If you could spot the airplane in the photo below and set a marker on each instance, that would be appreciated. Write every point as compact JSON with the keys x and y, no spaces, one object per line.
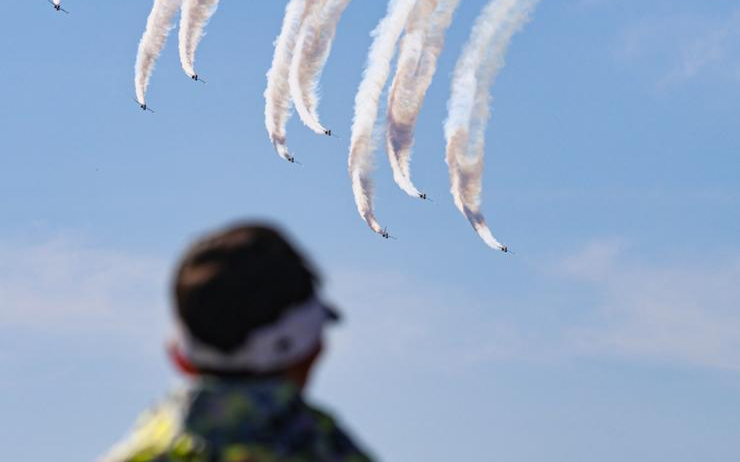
{"x":292,"y":160}
{"x":424,"y":197}
{"x":197,"y":79}
{"x":58,"y":7}
{"x":329,"y":133}
{"x":384,"y":234}
{"x":143,"y":106}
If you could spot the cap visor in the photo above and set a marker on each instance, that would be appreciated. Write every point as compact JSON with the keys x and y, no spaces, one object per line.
{"x":332,"y":314}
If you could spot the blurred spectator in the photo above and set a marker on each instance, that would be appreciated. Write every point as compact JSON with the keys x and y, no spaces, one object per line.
{"x":249,"y":330}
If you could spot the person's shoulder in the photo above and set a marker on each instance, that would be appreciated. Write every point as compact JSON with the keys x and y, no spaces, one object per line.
{"x":337,"y":440}
{"x":156,"y":435}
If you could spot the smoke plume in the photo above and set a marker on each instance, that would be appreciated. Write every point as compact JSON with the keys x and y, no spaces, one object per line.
{"x":195,"y":16}
{"x":312,"y":51}
{"x":417,"y":63}
{"x":158,"y":27}
{"x":469,"y":105}
{"x":367,"y":100}
{"x":277,"y":94}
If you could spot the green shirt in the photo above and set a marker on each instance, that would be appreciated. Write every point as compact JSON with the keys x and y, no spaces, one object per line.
{"x":237,"y":421}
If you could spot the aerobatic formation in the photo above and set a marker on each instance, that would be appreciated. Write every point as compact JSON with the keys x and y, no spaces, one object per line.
{"x":416,"y":29}
{"x":301,"y":52}
{"x":193,"y":19}
{"x":367,"y":103}
{"x":417,"y":63}
{"x":426,"y":22}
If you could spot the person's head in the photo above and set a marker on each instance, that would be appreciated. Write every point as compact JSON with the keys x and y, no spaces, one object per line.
{"x":246,"y":304}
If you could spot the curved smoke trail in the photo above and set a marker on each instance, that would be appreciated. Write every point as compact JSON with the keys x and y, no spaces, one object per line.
{"x":195,"y":17}
{"x":469,"y":105}
{"x":417,"y":63}
{"x":277,"y":94}
{"x":367,"y":104}
{"x":312,"y":50}
{"x":158,"y":27}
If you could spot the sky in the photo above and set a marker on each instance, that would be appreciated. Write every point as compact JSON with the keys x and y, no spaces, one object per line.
{"x":612,"y":172}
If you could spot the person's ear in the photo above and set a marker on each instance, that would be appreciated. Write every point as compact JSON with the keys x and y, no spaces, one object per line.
{"x":179,"y":360}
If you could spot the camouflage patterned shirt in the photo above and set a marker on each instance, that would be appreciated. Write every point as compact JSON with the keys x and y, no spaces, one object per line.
{"x":237,"y":421}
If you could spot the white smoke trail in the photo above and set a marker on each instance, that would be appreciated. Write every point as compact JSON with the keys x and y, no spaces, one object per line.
{"x":277,"y":94}
{"x":195,"y":17}
{"x":367,"y":104}
{"x":158,"y":27}
{"x":417,"y":63}
{"x":56,"y":2}
{"x":469,"y":105}
{"x":312,"y":50}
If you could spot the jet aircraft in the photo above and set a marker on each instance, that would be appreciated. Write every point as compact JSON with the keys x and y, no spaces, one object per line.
{"x":143,"y":106}
{"x":384,"y":234}
{"x":58,"y":7}
{"x":329,"y":133}
{"x":196,"y":78}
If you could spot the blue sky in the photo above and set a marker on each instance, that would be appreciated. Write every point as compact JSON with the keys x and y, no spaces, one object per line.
{"x":612,"y":170}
